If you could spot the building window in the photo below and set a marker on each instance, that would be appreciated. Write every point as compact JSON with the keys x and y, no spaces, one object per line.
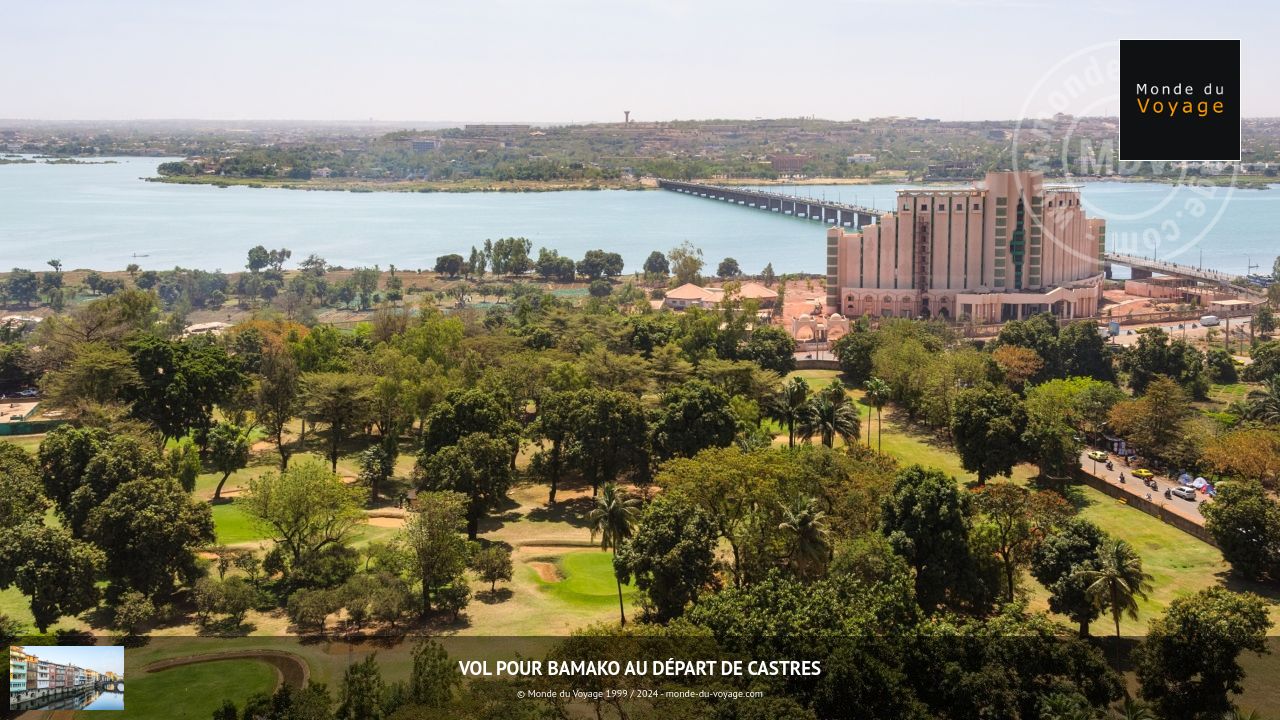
{"x":924,"y":207}
{"x":906,"y":206}
{"x":977,"y":206}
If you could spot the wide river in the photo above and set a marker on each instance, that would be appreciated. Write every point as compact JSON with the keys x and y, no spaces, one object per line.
{"x":103,"y":216}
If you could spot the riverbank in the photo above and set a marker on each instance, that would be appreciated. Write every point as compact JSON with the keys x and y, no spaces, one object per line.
{"x":403,"y":186}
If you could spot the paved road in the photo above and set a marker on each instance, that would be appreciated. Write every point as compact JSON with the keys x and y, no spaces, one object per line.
{"x":1133,"y":486}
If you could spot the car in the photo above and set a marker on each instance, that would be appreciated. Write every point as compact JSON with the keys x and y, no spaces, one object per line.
{"x":1185,"y":492}
{"x":1098,"y":455}
{"x":1143,"y":473}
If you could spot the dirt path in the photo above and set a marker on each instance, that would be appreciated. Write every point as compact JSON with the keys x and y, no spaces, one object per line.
{"x":289,"y":667}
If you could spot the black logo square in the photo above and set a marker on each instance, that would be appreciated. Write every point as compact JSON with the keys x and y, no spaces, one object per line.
{"x":1179,"y":100}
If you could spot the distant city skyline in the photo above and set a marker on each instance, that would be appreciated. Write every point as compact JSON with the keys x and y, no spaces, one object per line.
{"x":564,"y":61}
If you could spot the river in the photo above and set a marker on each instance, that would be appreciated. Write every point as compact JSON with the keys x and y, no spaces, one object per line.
{"x":103,"y":216}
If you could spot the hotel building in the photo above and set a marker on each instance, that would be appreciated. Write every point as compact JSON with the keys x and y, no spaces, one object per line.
{"x":1002,"y":249}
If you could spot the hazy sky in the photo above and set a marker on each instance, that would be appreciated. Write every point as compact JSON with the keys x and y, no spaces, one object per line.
{"x":580,"y":60}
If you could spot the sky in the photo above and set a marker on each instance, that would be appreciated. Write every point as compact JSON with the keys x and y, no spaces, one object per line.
{"x":559,"y":61}
{"x":104,"y":658}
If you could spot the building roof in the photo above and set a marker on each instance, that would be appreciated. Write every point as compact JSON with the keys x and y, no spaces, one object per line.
{"x":689,"y":291}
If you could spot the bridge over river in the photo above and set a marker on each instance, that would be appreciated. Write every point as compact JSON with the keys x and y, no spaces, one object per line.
{"x":1144,"y":267}
{"x":828,"y":212}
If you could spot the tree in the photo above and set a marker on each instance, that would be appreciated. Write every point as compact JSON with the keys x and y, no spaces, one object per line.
{"x":656,"y":265}
{"x":1264,"y":320}
{"x":132,"y":612}
{"x":377,"y":465}
{"x":612,"y":519}
{"x":258,"y":259}
{"x":598,"y":264}
{"x":671,"y":556}
{"x":310,"y":608}
{"x":1263,"y":403}
{"x":768,"y":275}
{"x":986,"y":427}
{"x":82,"y":467}
{"x":53,"y":569}
{"x":97,"y":373}
{"x":805,"y":525}
{"x":728,"y":269}
{"x":686,"y":263}
{"x":1118,"y":583}
{"x":927,"y":522}
{"x":360,"y":697}
{"x":1084,"y":352}
{"x":854,"y":350}
{"x":228,"y":446}
{"x":440,"y":554}
{"x":450,"y":265}
{"x":693,"y":416}
{"x":1155,"y":422}
{"x":236,"y":598}
{"x":790,"y":406}
{"x":277,"y":398}
{"x":307,"y":508}
{"x":479,"y":467}
{"x":461,"y":413}
{"x":1245,"y":522}
{"x":1016,"y":520}
{"x":340,"y":401}
{"x":1060,"y":562}
{"x":831,"y":417}
{"x":150,"y":531}
{"x":23,"y":286}
{"x":21,"y":495}
{"x":434,"y":678}
{"x":772,"y":348}
{"x":1189,"y":665}
{"x":182,"y":382}
{"x":877,"y":396}
{"x":600,"y":289}
{"x":493,"y":564}
{"x":1250,"y":453}
{"x":1155,"y":355}
{"x":1017,"y":364}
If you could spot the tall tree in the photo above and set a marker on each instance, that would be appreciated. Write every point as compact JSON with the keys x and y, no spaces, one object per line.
{"x":986,"y":426}
{"x":182,"y":382}
{"x":53,"y":569}
{"x":228,"y":446}
{"x":1060,"y":563}
{"x":340,"y":401}
{"x":830,"y":417}
{"x":1017,"y":519}
{"x":1189,"y":665}
{"x":150,"y":531}
{"x":671,"y":556}
{"x":1245,"y":521}
{"x":1118,"y":582}
{"x":277,"y":400}
{"x":927,"y":522}
{"x":612,"y":519}
{"x":686,"y":263}
{"x":808,"y":537}
{"x":693,"y":416}
{"x":877,"y":396}
{"x":432,"y":534}
{"x":307,"y":508}
{"x":790,"y":406}
{"x":479,"y":467}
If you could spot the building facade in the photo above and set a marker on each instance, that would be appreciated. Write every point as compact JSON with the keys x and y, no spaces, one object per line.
{"x":1003,"y":249}
{"x":17,"y":670}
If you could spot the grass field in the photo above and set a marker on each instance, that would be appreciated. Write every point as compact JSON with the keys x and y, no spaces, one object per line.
{"x":191,"y":692}
{"x":586,"y":579}
{"x":233,"y":526}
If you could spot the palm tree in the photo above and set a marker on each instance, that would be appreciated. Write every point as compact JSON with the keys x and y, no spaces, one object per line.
{"x":613,"y":517}
{"x":877,"y":395}
{"x":1118,"y":583}
{"x":806,"y":523}
{"x":1133,"y":709}
{"x":790,"y":407}
{"x":828,"y":418}
{"x":1263,"y":404}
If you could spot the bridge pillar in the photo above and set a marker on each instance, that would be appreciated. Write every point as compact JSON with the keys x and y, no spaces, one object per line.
{"x":1139,"y":273}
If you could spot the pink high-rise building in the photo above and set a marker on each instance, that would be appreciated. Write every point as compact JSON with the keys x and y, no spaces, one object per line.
{"x":1005,"y":248}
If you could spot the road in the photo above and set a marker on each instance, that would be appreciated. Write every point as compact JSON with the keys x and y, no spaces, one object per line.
{"x":1133,"y":486}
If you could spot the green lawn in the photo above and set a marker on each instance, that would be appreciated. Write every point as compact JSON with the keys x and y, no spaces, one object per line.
{"x":233,"y":526}
{"x":191,"y":691}
{"x":586,"y":579}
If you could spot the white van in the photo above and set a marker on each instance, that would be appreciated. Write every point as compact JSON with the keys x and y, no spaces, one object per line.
{"x":1209,"y":320}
